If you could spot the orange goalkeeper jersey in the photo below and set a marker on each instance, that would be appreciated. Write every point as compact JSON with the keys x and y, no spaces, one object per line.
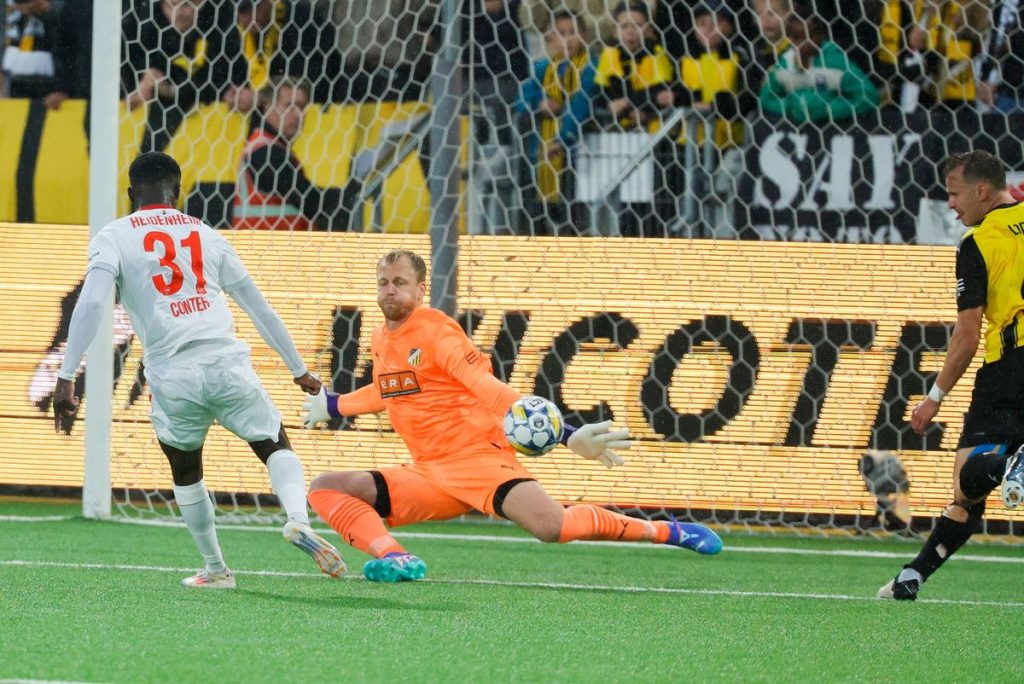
{"x":436,"y":386}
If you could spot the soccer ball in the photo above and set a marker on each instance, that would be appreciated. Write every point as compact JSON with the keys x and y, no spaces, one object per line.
{"x":533,"y":426}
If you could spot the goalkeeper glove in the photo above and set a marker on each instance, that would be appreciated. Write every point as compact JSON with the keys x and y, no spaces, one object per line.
{"x":319,"y":407}
{"x":596,"y":442}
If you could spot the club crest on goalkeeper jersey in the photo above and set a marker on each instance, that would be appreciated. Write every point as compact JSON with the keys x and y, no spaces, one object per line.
{"x":422,"y":370}
{"x":170,"y":269}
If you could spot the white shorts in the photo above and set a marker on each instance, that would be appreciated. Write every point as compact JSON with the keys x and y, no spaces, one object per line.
{"x":206,"y":382}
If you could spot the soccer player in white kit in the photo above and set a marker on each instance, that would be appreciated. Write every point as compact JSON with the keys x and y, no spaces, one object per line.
{"x":170,"y":270}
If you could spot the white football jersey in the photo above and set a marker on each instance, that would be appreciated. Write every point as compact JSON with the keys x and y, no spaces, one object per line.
{"x":170,"y":270}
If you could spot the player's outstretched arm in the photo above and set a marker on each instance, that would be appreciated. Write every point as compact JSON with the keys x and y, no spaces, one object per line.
{"x":85,"y":321}
{"x":597,"y":441}
{"x":963,"y":345}
{"x":273,"y":332}
{"x":325,"y":405}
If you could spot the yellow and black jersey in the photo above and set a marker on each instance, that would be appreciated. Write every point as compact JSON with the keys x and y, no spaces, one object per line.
{"x":897,"y":16}
{"x":637,"y":77}
{"x":717,"y":78}
{"x":951,"y":35}
{"x":990,"y":273}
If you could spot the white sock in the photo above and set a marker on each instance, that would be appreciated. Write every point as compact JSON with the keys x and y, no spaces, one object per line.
{"x":197,"y":510}
{"x":289,"y":483}
{"x":910,"y":574}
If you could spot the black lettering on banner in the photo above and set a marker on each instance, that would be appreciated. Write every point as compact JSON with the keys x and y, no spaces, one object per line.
{"x":506,"y":346}
{"x":123,"y":339}
{"x":345,"y":334}
{"x":825,"y":339}
{"x":906,"y":379}
{"x":620,"y":331}
{"x":28,"y":160}
{"x":836,"y":181}
{"x":735,"y":338}
{"x":470,"y":321}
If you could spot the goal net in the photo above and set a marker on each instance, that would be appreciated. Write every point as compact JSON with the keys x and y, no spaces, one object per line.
{"x":648,"y":213}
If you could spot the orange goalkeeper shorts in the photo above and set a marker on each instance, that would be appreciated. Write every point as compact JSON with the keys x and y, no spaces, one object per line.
{"x":477,"y":479}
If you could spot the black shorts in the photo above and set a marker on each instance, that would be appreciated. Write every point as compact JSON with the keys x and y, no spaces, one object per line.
{"x":996,"y":414}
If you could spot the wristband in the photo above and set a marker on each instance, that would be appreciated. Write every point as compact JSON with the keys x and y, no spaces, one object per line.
{"x":332,"y":404}
{"x":567,"y":431}
{"x":936,"y":394}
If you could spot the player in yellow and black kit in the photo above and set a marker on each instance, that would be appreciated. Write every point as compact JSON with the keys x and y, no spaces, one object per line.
{"x":634,"y":82}
{"x":989,"y":283}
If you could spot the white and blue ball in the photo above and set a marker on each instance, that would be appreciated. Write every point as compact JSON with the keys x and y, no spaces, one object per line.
{"x":533,"y":426}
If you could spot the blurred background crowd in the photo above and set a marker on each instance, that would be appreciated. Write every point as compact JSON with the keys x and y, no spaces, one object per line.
{"x":555,"y":87}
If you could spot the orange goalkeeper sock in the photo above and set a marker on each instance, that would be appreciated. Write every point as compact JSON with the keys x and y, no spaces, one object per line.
{"x":592,"y":522}
{"x":356,"y":521}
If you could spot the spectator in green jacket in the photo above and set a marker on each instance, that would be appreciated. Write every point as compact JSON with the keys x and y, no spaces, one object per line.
{"x":814,"y":80}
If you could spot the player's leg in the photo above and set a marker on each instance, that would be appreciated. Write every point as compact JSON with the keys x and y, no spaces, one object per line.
{"x":289,"y":484}
{"x":525,"y":503}
{"x":197,"y":511}
{"x":354,"y":503}
{"x":986,"y":442}
{"x":181,"y":423}
{"x":287,"y":478}
{"x":976,"y":472}
{"x":241,"y":404}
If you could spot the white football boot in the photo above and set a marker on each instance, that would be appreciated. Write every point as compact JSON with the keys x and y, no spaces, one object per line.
{"x":204,"y":579}
{"x":320,"y":550}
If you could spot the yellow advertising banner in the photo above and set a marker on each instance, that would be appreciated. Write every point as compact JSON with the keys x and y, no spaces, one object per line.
{"x":754,"y":375}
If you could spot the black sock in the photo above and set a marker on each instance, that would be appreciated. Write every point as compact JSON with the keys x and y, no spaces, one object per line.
{"x":947,"y":537}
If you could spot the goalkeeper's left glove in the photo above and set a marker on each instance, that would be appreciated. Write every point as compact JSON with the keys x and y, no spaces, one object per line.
{"x":596,"y":442}
{"x":319,"y":407}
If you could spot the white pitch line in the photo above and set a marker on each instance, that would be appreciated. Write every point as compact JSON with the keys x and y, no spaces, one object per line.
{"x":147,"y":568}
{"x":850,"y":553}
{"x":501,"y":539}
{"x":40,"y":681}
{"x":33,"y":518}
{"x":523,"y":585}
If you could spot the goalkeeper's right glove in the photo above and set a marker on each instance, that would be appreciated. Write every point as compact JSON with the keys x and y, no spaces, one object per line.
{"x":319,"y":408}
{"x":596,"y":442}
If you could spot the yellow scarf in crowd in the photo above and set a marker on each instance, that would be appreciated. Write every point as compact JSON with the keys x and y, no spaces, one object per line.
{"x":194,"y":63}
{"x":258,"y":53}
{"x":561,"y":82}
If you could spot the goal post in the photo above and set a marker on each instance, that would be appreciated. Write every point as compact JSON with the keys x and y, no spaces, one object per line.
{"x":103,"y":189}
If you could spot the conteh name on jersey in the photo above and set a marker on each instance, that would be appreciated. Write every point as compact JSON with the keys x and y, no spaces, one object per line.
{"x":189,"y":306}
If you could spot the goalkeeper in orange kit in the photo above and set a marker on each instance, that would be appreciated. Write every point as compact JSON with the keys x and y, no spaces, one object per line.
{"x":443,"y":400}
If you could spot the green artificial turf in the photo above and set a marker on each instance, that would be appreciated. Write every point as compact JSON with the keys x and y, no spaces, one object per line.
{"x":101,"y":602}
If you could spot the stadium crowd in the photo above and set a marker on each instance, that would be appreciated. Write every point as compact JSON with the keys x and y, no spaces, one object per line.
{"x":541,"y":75}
